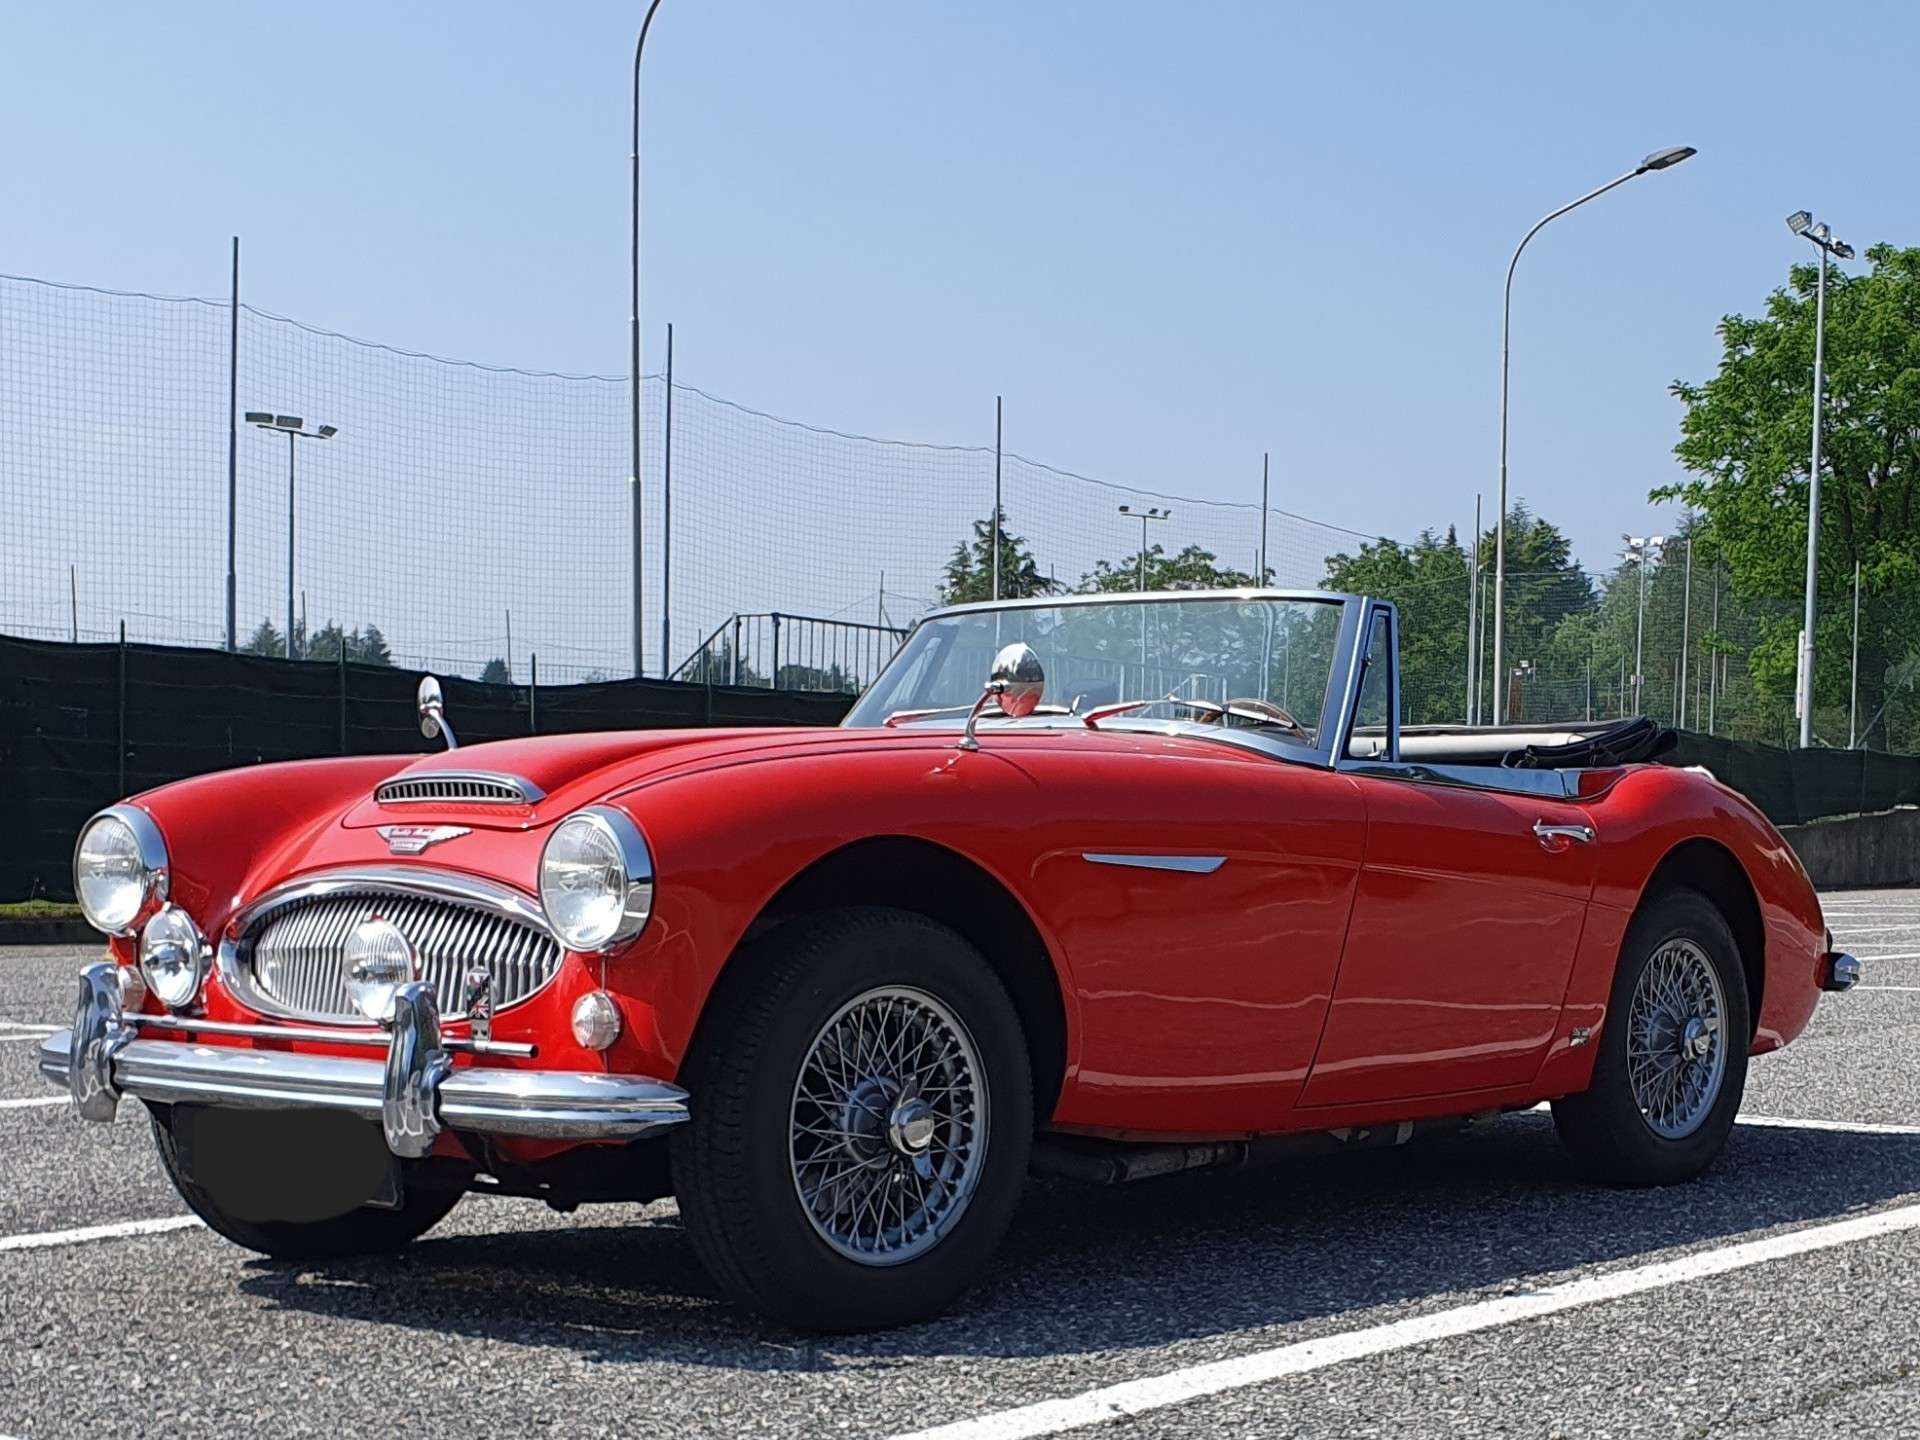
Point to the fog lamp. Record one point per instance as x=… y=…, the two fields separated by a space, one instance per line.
x=379 y=960
x=172 y=957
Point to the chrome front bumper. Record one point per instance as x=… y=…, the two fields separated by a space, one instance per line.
x=415 y=1092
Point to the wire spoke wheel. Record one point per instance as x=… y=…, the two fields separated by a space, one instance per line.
x=1677 y=1039
x=888 y=1128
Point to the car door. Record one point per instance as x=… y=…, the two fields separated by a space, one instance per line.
x=1466 y=918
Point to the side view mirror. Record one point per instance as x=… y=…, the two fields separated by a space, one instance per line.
x=1014 y=686
x=433 y=712
x=1017 y=680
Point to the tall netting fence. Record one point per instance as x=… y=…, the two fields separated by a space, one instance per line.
x=468 y=518
x=458 y=515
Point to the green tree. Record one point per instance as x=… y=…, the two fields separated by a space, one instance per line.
x=1745 y=439
x=1193 y=568
x=1428 y=581
x=363 y=646
x=495 y=673
x=265 y=640
x=969 y=574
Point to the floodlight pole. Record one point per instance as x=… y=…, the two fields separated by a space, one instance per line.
x=1659 y=160
x=233 y=442
x=292 y=445
x=994 y=538
x=633 y=373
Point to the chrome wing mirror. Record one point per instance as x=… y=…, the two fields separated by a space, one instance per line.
x=1014 y=687
x=433 y=713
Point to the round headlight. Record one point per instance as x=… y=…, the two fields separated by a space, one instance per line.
x=596 y=879
x=172 y=957
x=379 y=961
x=119 y=864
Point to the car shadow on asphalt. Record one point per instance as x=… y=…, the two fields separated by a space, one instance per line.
x=1086 y=1269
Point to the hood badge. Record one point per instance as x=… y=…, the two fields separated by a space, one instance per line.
x=412 y=839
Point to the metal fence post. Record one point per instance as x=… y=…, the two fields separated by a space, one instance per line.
x=233 y=438
x=343 y=695
x=736 y=651
x=120 y=728
x=666 y=525
x=995 y=537
x=773 y=680
x=533 y=694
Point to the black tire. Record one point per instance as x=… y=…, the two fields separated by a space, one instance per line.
x=1604 y=1126
x=734 y=1171
x=365 y=1231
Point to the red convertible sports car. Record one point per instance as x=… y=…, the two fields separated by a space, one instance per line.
x=1173 y=890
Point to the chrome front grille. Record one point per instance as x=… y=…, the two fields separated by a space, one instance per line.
x=296 y=964
x=457 y=788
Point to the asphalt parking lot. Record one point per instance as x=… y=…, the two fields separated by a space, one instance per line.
x=1467 y=1285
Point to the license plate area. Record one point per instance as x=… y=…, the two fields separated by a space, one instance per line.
x=295 y=1166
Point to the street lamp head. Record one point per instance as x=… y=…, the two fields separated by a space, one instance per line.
x=288 y=422
x=259 y=417
x=1666 y=159
x=1841 y=250
x=1800 y=221
x=327 y=432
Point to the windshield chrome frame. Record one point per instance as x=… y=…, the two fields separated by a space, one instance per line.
x=1337 y=709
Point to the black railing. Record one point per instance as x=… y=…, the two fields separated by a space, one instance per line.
x=792 y=652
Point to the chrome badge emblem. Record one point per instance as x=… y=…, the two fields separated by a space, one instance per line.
x=412 y=839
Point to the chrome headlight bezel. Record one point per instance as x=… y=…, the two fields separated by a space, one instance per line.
x=608 y=828
x=173 y=957
x=151 y=882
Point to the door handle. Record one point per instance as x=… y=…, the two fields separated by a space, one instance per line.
x=1550 y=834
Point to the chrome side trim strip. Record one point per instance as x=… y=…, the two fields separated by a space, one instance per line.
x=1188 y=864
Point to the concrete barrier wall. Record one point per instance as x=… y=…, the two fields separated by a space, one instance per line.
x=1860 y=850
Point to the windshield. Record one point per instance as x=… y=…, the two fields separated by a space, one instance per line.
x=1251 y=655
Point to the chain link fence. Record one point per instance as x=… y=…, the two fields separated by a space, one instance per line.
x=464 y=518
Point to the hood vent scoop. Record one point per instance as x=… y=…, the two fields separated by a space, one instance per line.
x=458 y=787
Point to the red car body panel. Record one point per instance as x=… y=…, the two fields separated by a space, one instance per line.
x=1370 y=949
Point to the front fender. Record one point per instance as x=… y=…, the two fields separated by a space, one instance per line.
x=726 y=840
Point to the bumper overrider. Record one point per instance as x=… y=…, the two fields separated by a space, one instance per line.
x=415 y=1091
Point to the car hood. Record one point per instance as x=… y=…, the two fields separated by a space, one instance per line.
x=574 y=770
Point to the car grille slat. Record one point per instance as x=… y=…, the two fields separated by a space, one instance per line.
x=296 y=959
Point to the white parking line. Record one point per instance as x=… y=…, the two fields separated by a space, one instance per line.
x=126 y=1229
x=1844 y=930
x=1133 y=1397
x=1849 y=1127
x=33 y=1104
x=1892 y=989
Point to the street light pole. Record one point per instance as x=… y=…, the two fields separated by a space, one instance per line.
x=1821 y=238
x=1659 y=160
x=633 y=373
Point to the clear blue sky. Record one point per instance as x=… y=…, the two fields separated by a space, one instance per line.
x=1173 y=236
